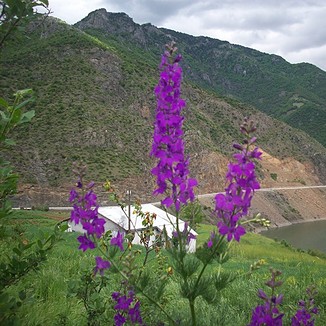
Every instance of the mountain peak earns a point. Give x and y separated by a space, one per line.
109 21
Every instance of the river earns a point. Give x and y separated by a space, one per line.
307 235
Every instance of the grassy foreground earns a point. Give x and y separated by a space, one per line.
50 301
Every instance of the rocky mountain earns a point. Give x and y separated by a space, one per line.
294 93
95 103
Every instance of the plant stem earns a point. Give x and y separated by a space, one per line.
192 310
140 290
205 265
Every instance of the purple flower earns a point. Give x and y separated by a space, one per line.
101 265
85 243
134 314
262 315
231 231
171 171
211 239
90 199
268 314
117 240
85 212
119 320
94 226
73 195
75 215
126 311
123 302
304 315
234 204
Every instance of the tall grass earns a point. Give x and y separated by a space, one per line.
49 301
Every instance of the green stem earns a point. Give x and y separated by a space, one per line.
210 258
140 290
192 311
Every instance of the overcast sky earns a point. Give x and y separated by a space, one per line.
294 29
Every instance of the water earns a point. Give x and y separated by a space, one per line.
308 235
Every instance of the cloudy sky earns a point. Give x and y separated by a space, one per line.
294 29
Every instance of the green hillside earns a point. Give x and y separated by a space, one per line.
95 102
294 93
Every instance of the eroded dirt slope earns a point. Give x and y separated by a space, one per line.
280 206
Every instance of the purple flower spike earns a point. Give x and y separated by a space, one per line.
268 314
73 195
304 315
171 171
234 204
85 212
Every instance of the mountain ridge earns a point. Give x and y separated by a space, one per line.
293 93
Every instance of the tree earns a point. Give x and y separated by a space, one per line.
14 14
11 115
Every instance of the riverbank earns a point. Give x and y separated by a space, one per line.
260 229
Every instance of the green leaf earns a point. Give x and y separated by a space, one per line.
17 251
27 116
39 244
28 245
16 116
22 104
144 280
64 227
9 142
4 116
190 265
223 279
3 102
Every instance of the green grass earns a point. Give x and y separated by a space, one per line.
48 300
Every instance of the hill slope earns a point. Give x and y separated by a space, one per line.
95 103
292 93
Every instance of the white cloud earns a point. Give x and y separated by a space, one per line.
74 10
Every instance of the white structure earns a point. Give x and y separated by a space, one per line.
117 220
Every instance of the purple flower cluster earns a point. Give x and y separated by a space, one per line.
85 212
268 314
242 182
304 315
126 310
168 147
